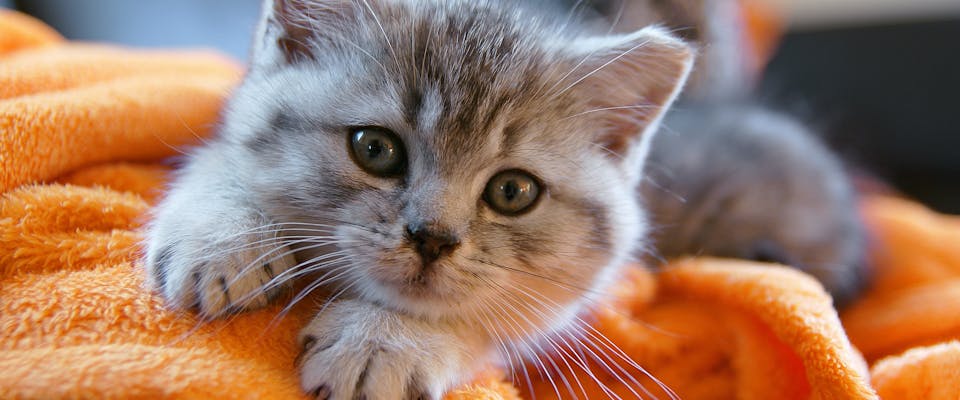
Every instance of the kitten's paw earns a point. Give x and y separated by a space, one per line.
217 273
357 351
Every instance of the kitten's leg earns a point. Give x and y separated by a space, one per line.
354 349
208 248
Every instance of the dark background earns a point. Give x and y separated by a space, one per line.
884 93
887 98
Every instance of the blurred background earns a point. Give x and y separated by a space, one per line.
880 78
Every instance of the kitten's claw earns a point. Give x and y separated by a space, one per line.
321 393
217 275
239 282
358 351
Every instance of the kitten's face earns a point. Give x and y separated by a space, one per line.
445 153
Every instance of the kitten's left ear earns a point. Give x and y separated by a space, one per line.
629 81
290 30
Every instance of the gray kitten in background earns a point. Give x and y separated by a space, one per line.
735 180
459 175
744 181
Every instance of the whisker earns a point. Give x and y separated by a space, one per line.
519 332
596 110
271 228
487 326
316 284
301 269
275 241
540 299
329 259
367 53
559 283
259 261
386 38
616 20
558 349
604 65
279 317
611 346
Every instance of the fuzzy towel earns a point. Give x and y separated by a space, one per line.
83 130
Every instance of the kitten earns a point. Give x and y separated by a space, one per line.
459 174
744 181
727 179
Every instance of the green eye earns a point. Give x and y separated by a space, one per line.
378 151
511 192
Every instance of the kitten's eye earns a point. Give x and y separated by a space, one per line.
378 151
511 192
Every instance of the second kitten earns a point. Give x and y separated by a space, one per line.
748 182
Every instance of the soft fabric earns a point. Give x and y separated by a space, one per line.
83 133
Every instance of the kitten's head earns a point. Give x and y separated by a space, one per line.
456 155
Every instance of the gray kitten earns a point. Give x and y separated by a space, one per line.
744 181
459 175
728 179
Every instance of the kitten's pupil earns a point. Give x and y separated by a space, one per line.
510 190
374 149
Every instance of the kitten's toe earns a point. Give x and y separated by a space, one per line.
322 392
416 392
363 353
245 281
351 370
219 278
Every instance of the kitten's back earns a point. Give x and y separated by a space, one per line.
748 182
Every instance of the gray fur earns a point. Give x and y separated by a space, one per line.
472 88
743 181
738 180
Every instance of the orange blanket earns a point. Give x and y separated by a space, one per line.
83 130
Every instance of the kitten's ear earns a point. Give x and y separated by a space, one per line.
630 81
290 30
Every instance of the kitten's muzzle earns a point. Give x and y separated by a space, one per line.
431 243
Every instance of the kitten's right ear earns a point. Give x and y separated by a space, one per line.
290 31
629 81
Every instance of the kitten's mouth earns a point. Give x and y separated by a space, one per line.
417 285
421 285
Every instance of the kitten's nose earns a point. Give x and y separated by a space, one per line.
431 243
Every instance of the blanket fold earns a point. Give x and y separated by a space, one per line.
84 131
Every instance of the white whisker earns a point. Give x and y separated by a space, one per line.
601 67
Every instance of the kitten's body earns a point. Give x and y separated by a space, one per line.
727 179
747 182
429 275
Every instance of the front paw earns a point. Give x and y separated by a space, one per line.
354 350
233 268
